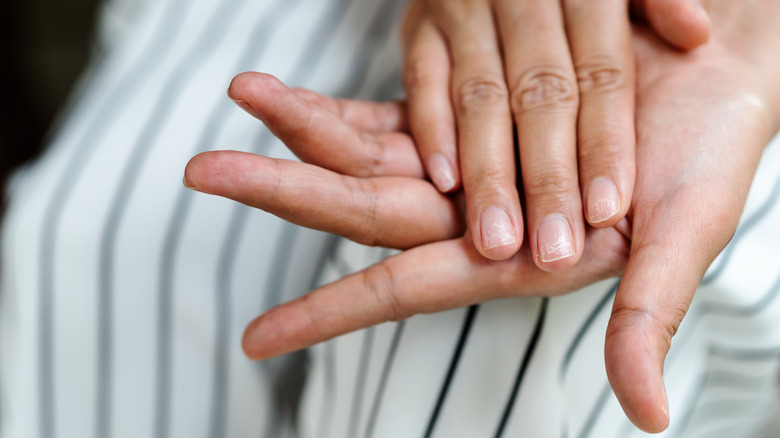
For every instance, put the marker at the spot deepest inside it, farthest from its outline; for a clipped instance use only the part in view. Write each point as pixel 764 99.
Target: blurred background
pixel 45 46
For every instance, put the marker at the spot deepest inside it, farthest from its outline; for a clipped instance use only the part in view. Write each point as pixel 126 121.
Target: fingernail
pixel 555 239
pixel 696 8
pixel 184 181
pixel 665 402
pixel 497 229
pixel 248 108
pixel 603 200
pixel 441 172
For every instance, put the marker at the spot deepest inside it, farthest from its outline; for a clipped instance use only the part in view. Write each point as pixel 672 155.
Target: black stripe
pixel 390 87
pixel 465 330
pixel 382 24
pixel 745 227
pixel 595 411
pixel 342 270
pixel 285 243
pixel 360 382
pixel 747 354
pixel 740 381
pixel 529 352
pixel 329 366
pixel 330 394
pixel 725 414
pixel 720 309
pixel 756 388
pixel 221 359
pixel 744 311
pixel 710 379
pixel 309 57
pixel 205 46
pixel 380 392
pixel 575 343
pixel 223 297
pixel 107 112
pixel 277 414
pixel 690 405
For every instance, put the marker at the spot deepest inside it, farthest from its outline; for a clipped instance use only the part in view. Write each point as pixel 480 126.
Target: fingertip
pixel 556 249
pixel 683 24
pixel 256 92
pixel 634 360
pixel 244 82
pixel 194 170
pixel 646 408
pixel 498 237
pixel 268 336
pixel 602 203
pixel 249 341
pixel 696 25
pixel 442 172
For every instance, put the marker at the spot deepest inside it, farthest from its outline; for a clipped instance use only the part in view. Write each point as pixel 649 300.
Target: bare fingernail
pixel 441 172
pixel 248 108
pixel 186 184
pixel 665 402
pixel 697 9
pixel 497 229
pixel 603 200
pixel 555 239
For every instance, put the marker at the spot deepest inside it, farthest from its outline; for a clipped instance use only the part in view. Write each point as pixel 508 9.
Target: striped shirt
pixel 124 296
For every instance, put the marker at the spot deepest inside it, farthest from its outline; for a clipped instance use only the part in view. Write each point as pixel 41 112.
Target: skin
pixel 702 120
pixel 562 73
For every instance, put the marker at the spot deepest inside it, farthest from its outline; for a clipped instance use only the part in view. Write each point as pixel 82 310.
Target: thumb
pixel 657 288
pixel 683 24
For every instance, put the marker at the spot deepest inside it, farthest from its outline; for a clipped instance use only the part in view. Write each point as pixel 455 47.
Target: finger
pixel 600 38
pixel 485 143
pixel 683 24
pixel 666 264
pixel 426 279
pixel 544 102
pixel 387 211
pixel 362 115
pixel 321 137
pixel 427 84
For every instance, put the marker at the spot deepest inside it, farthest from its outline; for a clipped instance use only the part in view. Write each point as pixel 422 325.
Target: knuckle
pixel 606 147
pixel 417 73
pixel 363 197
pixel 378 281
pixel 550 185
pixel 626 319
pixel 543 87
pixel 374 158
pixel 602 74
pixel 480 92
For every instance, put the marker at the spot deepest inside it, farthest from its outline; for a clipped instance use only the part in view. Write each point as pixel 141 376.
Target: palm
pixel 700 131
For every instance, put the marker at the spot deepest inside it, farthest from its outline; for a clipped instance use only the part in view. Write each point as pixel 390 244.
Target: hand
pixel 702 120
pixel 368 185
pixel 569 69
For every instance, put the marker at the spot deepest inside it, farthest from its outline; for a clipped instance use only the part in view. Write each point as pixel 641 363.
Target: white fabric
pixel 102 221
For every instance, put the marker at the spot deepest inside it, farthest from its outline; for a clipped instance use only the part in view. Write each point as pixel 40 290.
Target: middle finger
pixel 544 101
